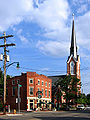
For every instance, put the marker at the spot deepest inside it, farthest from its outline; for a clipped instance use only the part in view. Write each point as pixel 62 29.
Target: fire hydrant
pixel 14 111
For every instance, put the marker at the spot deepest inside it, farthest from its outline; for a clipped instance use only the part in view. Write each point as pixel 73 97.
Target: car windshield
pixel 80 105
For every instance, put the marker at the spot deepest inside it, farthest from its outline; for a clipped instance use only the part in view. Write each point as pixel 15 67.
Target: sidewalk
pixel 1 113
pixel 11 114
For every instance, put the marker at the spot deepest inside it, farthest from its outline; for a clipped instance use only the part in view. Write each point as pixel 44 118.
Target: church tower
pixel 73 62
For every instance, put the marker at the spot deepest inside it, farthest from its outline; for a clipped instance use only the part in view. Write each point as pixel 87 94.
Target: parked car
pixel 87 107
pixel 81 107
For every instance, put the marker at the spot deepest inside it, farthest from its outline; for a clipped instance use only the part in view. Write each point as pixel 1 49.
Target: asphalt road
pixel 52 115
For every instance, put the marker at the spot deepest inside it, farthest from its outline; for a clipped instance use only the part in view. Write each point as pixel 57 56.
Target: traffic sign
pixel 20 85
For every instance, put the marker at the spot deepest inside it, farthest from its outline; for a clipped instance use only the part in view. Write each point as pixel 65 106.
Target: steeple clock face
pixel 72 67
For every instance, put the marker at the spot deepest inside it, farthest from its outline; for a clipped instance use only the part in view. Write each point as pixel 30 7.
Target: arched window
pixel 72 67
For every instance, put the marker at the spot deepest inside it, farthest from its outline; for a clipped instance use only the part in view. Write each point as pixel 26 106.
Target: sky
pixel 42 34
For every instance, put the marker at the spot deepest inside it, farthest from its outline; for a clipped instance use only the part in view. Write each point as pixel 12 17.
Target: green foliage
pixel 2 87
pixel 88 99
pixel 84 99
pixel 81 99
pixel 1 83
pixel 69 86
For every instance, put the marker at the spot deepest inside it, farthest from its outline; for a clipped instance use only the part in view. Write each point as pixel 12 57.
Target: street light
pixel 12 64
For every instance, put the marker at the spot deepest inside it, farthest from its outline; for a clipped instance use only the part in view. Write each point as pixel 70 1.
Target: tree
pixel 88 99
pixel 82 99
pixel 2 87
pixel 57 94
pixel 69 85
pixel 1 83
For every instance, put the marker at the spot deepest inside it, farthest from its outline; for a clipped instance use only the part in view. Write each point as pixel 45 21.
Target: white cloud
pixel 19 32
pixel 82 9
pixel 79 2
pixel 44 69
pixel 82 30
pixel 52 15
pixel 13 12
pixel 20 35
pixel 52 18
pixel 53 48
pixel 23 39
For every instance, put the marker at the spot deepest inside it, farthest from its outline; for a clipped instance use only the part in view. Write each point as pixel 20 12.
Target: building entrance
pixel 31 106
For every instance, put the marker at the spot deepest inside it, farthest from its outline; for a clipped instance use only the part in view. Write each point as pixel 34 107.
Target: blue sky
pixel 42 33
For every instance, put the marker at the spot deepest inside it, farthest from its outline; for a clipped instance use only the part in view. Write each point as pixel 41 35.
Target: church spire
pixel 73 48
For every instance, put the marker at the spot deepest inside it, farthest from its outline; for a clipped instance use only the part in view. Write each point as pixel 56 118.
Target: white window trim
pixel 29 91
pixel 30 79
pixel 73 68
pixel 39 88
pixel 45 92
pixel 12 82
pixel 43 83
pixel 49 84
pixel 18 80
pixel 39 82
pixel 50 93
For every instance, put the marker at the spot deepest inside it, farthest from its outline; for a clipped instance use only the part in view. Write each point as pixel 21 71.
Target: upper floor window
pixel 31 91
pixel 42 83
pixel 38 89
pixel 13 91
pixel 46 93
pixel 72 67
pixel 18 81
pixel 13 82
pixel 31 80
pixel 46 84
pixel 38 82
pixel 49 84
pixel 49 93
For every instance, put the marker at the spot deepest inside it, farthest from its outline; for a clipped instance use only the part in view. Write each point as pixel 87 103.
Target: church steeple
pixel 73 48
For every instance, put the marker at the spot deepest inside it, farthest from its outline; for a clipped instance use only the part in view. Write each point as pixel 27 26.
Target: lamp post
pixel 19 99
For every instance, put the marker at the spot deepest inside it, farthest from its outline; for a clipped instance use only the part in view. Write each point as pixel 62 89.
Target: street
pixel 50 115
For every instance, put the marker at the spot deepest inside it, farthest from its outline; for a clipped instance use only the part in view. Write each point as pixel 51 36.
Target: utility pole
pixel 5 60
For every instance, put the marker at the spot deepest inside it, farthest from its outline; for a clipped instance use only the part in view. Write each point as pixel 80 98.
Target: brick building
pixel 30 97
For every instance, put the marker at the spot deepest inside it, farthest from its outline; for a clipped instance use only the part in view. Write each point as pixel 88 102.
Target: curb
pixel 14 114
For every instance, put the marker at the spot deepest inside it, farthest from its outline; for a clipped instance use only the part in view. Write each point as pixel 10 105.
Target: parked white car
pixel 81 107
pixel 87 107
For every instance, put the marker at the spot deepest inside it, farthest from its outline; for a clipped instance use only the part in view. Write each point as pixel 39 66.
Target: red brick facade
pixel 76 66
pixel 31 83
pixel 76 69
